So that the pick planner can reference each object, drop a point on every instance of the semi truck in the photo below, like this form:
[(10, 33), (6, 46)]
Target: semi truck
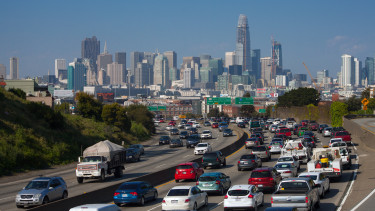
[(326, 160), (100, 160)]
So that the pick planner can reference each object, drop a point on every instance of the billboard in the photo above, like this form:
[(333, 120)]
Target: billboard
[(63, 93)]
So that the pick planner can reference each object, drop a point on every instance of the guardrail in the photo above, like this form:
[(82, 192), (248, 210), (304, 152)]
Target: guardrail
[(105, 195)]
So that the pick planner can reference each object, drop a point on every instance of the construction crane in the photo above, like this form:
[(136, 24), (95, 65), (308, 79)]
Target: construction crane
[(312, 79)]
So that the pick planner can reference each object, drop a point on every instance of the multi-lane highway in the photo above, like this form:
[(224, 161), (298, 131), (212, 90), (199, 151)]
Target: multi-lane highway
[(156, 158)]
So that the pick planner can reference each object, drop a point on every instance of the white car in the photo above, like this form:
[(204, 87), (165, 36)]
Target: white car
[(187, 127), (202, 148), (320, 179), (169, 127), (286, 170), (181, 125), (327, 131), (184, 198), (196, 125), (333, 140), (289, 159), (206, 134), (243, 197), (96, 207)]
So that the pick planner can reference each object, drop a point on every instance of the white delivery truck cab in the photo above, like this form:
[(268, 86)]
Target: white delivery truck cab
[(96, 207)]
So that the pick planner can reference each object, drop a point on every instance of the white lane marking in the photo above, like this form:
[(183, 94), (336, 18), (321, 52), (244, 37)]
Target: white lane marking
[(216, 205), (161, 165), (363, 200), (187, 156), (154, 207), (10, 197), (351, 185)]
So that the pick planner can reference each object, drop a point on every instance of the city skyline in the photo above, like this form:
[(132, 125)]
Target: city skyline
[(317, 40)]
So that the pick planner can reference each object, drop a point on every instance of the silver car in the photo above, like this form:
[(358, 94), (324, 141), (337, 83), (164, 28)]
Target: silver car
[(327, 131), (262, 152), (41, 191), (286, 170), (249, 162), (275, 147), (251, 142)]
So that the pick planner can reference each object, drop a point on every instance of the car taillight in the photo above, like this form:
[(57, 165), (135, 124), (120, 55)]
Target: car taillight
[(197, 183), (226, 196), (187, 200), (134, 193), (287, 171), (239, 161), (266, 152), (217, 159), (250, 196), (163, 201), (202, 160), (307, 200), (271, 179), (217, 182), (269, 147), (253, 161), (249, 181), (271, 200), (116, 193)]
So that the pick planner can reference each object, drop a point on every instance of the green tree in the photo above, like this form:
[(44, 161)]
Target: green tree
[(269, 110), (365, 93), (19, 92), (140, 114), (354, 104), (299, 97), (371, 104), (247, 110), (337, 111), (88, 107), (190, 116), (247, 94), (214, 112), (62, 108)]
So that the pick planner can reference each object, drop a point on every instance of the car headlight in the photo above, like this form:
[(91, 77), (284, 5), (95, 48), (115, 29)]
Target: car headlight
[(37, 195), (18, 196)]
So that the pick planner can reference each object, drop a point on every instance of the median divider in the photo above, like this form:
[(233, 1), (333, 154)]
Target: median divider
[(105, 195)]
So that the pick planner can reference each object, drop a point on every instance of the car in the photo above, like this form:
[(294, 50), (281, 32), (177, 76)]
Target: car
[(213, 159), (181, 125), (187, 127), (214, 182), (206, 134), (321, 127), (207, 124), (232, 120), (259, 136), (188, 171), (289, 159), (311, 134), (345, 135), (138, 146), (42, 190), (273, 128), (250, 161), (327, 131), (336, 129), (176, 143), (318, 178), (251, 142), (222, 126), (340, 144), (275, 147), (96, 207), (281, 209), (284, 131), (334, 140), (244, 196), (137, 192), (172, 123), (192, 140), (309, 142), (164, 140), (184, 134), (184, 198), (227, 132), (174, 131), (313, 126), (286, 170), (196, 125), (280, 136), (193, 131), (161, 121), (304, 122), (215, 125), (202, 148), (133, 155), (262, 152), (265, 178), (241, 124)]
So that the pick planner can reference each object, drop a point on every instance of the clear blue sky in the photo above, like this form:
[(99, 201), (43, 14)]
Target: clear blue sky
[(314, 32)]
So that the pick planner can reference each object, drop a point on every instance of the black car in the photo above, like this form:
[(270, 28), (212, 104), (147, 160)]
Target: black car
[(295, 129), (133, 155), (184, 134), (241, 125), (257, 130), (176, 143), (192, 140), (309, 141), (164, 140), (193, 130), (138, 146), (213, 159), (227, 132), (311, 134), (321, 127), (174, 131)]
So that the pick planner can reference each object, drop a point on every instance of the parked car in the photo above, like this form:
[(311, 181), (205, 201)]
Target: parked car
[(206, 134), (138, 146), (174, 131), (192, 140), (134, 192), (188, 171), (42, 190), (184, 198), (265, 178), (164, 140), (133, 155), (249, 162), (184, 134), (289, 159), (286, 170), (251, 142), (202, 148), (227, 132), (214, 182), (213, 159), (318, 178), (176, 143), (243, 197), (262, 152)]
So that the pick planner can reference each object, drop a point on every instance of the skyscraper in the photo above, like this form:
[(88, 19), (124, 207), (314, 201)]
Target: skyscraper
[(243, 56), (189, 78), (266, 69), (255, 62), (357, 72), (230, 59), (76, 75), (320, 75), (370, 70), (277, 59), (103, 60), (143, 74), (161, 71), (347, 70), (60, 68), (120, 58), (172, 58), (14, 68), (204, 60), (3, 71), (116, 73), (90, 48), (135, 57)]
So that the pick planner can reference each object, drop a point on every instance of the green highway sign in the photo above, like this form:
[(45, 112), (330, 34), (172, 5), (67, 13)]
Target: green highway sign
[(162, 108), (244, 101), (218, 101), (152, 108), (262, 110)]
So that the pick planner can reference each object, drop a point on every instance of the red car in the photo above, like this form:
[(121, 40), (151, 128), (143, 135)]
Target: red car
[(304, 122), (345, 135), (265, 178), (161, 120), (215, 125), (190, 170), (284, 131), (313, 126), (172, 123)]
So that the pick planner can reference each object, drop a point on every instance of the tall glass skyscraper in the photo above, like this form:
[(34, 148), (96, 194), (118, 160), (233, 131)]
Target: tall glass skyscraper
[(90, 48), (370, 70), (243, 56)]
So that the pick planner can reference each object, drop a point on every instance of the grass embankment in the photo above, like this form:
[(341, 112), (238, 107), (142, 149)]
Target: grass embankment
[(33, 136)]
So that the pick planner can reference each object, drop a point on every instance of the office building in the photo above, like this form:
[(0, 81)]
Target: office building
[(281, 80), (255, 62), (204, 60), (193, 63), (357, 72), (206, 75), (223, 82), (104, 59), (266, 69), (172, 59), (91, 73), (76, 75), (277, 59), (300, 77), (60, 68), (217, 67), (229, 59), (14, 68), (116, 73), (320, 75), (143, 74), (120, 58), (347, 71), (90, 48), (243, 56), (235, 69), (370, 70), (161, 71), (135, 57), (189, 78), (3, 71), (173, 74)]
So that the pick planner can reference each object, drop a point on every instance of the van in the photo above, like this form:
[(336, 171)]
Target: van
[(239, 119), (96, 207)]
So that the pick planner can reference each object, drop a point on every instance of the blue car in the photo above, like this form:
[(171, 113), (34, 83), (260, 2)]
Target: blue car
[(222, 126), (134, 192)]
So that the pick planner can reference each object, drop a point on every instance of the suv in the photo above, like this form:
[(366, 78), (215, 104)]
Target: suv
[(41, 191), (262, 152), (266, 178), (215, 159)]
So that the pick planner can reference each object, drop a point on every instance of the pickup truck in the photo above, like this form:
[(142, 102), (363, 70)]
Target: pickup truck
[(301, 193), (297, 149)]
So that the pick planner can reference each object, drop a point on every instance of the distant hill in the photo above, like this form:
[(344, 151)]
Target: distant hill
[(33, 136)]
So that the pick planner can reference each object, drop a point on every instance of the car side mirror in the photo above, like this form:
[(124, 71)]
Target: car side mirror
[(50, 188)]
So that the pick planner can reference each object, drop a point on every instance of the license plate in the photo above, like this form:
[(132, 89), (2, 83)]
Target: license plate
[(174, 201), (86, 172), (209, 163), (183, 172), (124, 195), (245, 163), (237, 199), (260, 185), (205, 185), (130, 156)]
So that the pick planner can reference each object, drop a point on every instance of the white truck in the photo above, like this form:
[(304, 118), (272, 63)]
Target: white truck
[(326, 160), (297, 149), (99, 160)]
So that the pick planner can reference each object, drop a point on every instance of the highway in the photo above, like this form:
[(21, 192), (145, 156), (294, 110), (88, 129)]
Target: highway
[(156, 158), (330, 202)]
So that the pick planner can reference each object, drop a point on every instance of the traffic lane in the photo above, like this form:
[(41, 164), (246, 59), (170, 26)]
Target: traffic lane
[(163, 155)]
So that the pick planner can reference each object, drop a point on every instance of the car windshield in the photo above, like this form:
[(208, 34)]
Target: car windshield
[(285, 159), (238, 192), (135, 146), (282, 166), (258, 149), (202, 145), (206, 178), (175, 140), (206, 132), (92, 159), (210, 155), (183, 133), (184, 167), (37, 185), (247, 157), (252, 139), (260, 174), (285, 186), (178, 192), (275, 143), (164, 138)]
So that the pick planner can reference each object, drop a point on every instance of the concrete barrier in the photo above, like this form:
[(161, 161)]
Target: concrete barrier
[(366, 137), (105, 195)]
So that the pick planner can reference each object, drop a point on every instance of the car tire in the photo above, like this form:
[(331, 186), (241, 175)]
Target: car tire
[(102, 176), (196, 178), (204, 167), (19, 206), (45, 200), (177, 181), (225, 162), (195, 206), (118, 172), (206, 202), (155, 196), (239, 169), (142, 202), (64, 195), (323, 194), (80, 180), (139, 158)]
